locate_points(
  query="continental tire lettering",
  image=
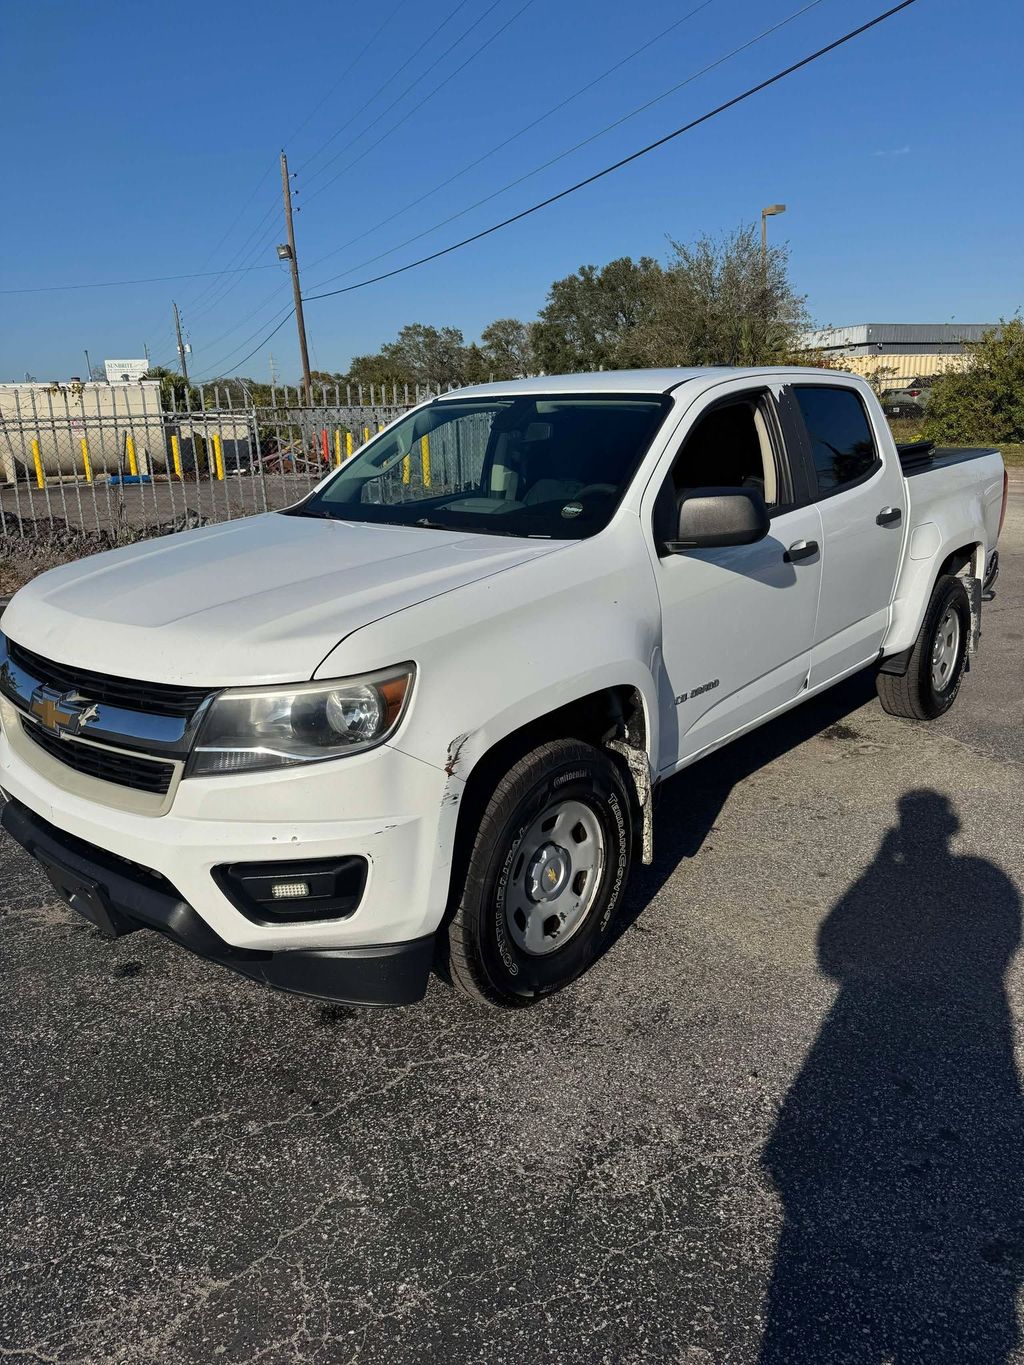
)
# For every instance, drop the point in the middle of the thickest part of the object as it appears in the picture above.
(504, 947)
(569, 777)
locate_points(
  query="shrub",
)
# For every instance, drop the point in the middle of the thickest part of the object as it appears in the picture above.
(984, 402)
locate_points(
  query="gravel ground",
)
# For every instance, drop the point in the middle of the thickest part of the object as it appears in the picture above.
(780, 1121)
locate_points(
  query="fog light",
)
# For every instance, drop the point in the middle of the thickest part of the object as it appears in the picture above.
(289, 891)
(293, 891)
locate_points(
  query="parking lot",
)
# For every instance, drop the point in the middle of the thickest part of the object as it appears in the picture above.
(781, 1120)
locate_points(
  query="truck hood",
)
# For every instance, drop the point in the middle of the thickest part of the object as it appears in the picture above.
(262, 599)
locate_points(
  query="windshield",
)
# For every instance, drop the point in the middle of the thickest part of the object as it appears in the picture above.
(547, 466)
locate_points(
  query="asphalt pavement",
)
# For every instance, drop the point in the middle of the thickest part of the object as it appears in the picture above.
(780, 1121)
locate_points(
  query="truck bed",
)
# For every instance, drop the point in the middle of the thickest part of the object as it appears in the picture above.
(918, 457)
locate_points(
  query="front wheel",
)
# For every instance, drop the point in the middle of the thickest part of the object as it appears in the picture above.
(937, 662)
(548, 866)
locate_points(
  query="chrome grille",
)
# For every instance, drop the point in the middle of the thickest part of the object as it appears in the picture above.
(108, 765)
(162, 699)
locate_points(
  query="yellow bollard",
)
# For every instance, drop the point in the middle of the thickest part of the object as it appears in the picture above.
(366, 435)
(337, 446)
(37, 460)
(348, 445)
(425, 460)
(176, 456)
(133, 464)
(86, 463)
(218, 456)
(406, 469)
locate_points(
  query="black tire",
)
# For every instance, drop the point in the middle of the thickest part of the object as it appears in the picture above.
(484, 961)
(915, 694)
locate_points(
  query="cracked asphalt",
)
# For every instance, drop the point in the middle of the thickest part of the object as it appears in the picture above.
(780, 1121)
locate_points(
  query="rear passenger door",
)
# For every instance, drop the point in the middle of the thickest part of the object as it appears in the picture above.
(861, 502)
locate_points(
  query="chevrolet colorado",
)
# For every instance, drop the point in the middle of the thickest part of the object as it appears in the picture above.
(414, 721)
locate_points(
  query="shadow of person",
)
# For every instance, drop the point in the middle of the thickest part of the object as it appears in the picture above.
(899, 1150)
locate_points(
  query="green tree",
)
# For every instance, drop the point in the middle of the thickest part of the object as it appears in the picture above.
(375, 369)
(717, 301)
(432, 355)
(507, 349)
(724, 303)
(599, 318)
(175, 394)
(985, 401)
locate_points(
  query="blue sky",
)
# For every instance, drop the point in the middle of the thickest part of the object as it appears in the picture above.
(143, 141)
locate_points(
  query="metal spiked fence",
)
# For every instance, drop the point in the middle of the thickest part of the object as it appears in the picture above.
(112, 459)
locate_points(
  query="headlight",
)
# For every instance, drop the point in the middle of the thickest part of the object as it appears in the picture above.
(279, 727)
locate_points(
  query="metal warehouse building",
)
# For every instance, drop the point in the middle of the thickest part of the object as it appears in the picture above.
(904, 350)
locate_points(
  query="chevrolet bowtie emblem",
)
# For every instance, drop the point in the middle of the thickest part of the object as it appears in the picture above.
(63, 713)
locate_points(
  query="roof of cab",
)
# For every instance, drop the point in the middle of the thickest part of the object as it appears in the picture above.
(623, 381)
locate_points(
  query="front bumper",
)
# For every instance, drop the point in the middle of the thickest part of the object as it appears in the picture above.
(122, 896)
(396, 812)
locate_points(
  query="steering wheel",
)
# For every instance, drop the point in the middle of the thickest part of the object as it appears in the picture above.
(593, 488)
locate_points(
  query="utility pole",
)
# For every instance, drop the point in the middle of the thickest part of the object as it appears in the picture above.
(181, 344)
(288, 254)
(88, 367)
(273, 369)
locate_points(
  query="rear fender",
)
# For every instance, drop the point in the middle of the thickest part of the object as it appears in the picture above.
(928, 557)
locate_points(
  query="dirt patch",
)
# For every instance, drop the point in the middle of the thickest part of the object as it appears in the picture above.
(840, 731)
(37, 545)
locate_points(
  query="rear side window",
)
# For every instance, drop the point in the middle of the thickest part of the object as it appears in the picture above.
(842, 445)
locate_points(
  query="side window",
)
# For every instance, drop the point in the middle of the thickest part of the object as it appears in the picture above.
(842, 444)
(730, 446)
(734, 444)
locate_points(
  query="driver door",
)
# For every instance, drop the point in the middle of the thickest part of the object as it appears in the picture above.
(737, 621)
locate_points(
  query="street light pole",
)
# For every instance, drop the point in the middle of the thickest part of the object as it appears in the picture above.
(291, 257)
(766, 213)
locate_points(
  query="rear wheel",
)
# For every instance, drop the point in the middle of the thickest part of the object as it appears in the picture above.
(546, 873)
(937, 662)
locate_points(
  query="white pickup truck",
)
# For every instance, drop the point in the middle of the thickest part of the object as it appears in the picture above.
(414, 722)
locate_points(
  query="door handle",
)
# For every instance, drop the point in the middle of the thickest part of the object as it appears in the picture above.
(889, 516)
(800, 549)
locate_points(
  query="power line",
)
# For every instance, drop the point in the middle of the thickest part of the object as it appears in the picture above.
(215, 369)
(598, 175)
(218, 292)
(351, 66)
(626, 160)
(149, 279)
(276, 293)
(593, 137)
(269, 298)
(273, 166)
(206, 274)
(555, 108)
(384, 85)
(220, 374)
(418, 106)
(490, 40)
(582, 90)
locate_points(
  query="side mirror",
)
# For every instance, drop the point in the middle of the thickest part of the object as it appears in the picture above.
(719, 516)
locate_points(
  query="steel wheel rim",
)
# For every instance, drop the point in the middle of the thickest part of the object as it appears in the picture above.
(945, 649)
(555, 877)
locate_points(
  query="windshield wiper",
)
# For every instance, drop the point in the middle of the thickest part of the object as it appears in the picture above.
(432, 525)
(320, 512)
